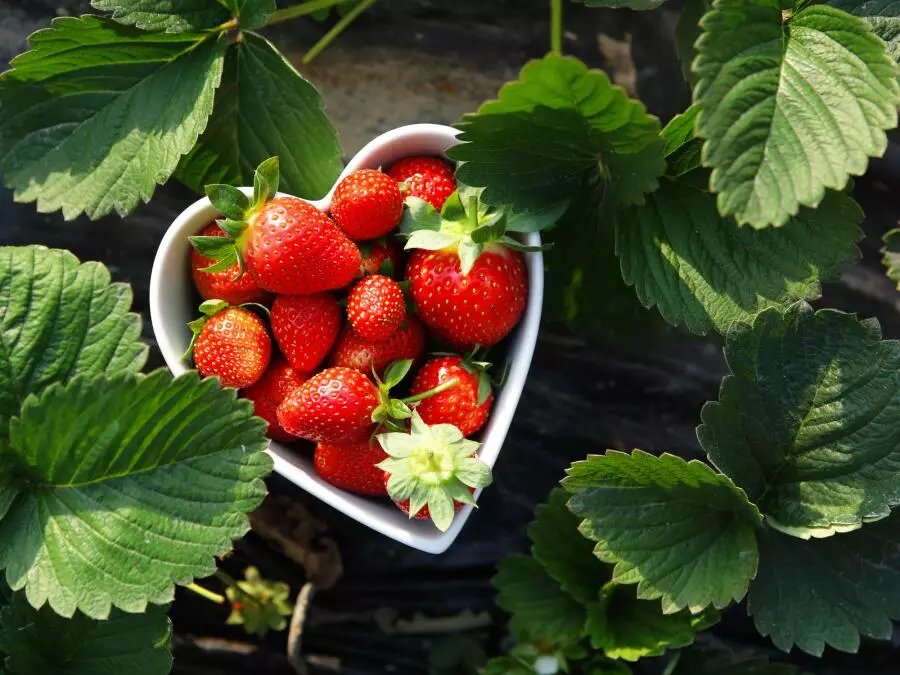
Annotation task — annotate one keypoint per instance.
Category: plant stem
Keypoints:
(303, 9)
(556, 27)
(443, 386)
(226, 578)
(339, 27)
(203, 592)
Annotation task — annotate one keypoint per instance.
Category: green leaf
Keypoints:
(715, 661)
(704, 272)
(40, 642)
(891, 254)
(683, 533)
(557, 128)
(264, 107)
(252, 13)
(59, 319)
(687, 30)
(627, 628)
(682, 147)
(883, 17)
(827, 591)
(535, 221)
(166, 16)
(125, 486)
(98, 114)
(806, 423)
(567, 556)
(788, 107)
(265, 180)
(540, 609)
(507, 665)
(228, 200)
(420, 215)
(628, 4)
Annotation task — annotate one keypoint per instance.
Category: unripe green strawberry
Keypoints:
(367, 204)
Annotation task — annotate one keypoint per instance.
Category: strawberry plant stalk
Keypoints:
(336, 30)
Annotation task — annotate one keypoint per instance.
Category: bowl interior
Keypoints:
(173, 303)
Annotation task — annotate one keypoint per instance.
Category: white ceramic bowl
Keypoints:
(173, 303)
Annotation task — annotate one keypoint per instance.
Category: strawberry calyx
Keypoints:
(433, 466)
(392, 413)
(208, 309)
(238, 210)
(468, 226)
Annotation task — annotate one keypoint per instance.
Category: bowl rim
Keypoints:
(390, 146)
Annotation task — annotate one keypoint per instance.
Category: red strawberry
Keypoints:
(286, 244)
(305, 328)
(466, 405)
(352, 351)
(427, 178)
(367, 204)
(432, 470)
(352, 466)
(228, 284)
(376, 253)
(334, 406)
(465, 310)
(376, 308)
(231, 344)
(279, 381)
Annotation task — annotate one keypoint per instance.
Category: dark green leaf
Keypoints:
(625, 627)
(827, 591)
(166, 16)
(557, 128)
(98, 114)
(883, 17)
(535, 221)
(507, 665)
(687, 30)
(891, 255)
(655, 516)
(682, 147)
(420, 215)
(714, 661)
(806, 423)
(789, 107)
(704, 272)
(126, 486)
(567, 556)
(540, 609)
(252, 13)
(213, 247)
(396, 372)
(265, 180)
(264, 107)
(492, 230)
(228, 200)
(40, 642)
(59, 319)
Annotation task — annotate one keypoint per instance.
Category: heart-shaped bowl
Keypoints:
(173, 302)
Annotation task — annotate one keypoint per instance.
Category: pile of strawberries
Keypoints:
(318, 318)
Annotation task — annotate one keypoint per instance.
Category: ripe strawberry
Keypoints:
(286, 244)
(352, 466)
(367, 204)
(427, 178)
(334, 406)
(231, 344)
(228, 284)
(305, 328)
(466, 405)
(278, 382)
(433, 468)
(465, 310)
(352, 351)
(376, 307)
(376, 253)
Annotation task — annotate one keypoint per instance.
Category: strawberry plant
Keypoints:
(116, 486)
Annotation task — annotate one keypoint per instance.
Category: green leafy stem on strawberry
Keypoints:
(391, 413)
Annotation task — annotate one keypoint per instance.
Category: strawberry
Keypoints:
(230, 343)
(468, 309)
(334, 406)
(285, 243)
(381, 256)
(352, 466)
(427, 178)
(423, 513)
(279, 381)
(376, 307)
(305, 328)
(341, 405)
(465, 406)
(367, 204)
(352, 351)
(432, 467)
(225, 284)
